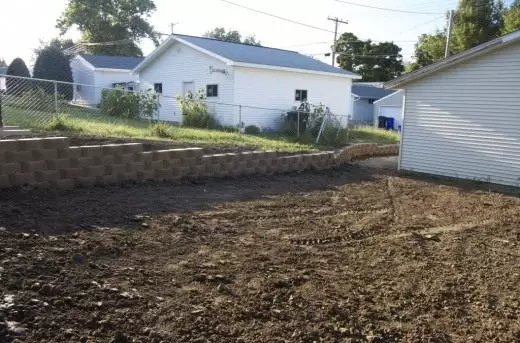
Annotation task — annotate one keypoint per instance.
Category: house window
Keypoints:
(157, 87)
(301, 95)
(211, 91)
(130, 88)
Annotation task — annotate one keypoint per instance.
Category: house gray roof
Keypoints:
(3, 70)
(251, 54)
(367, 91)
(112, 62)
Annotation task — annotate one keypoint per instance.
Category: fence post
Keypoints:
(239, 119)
(298, 124)
(55, 97)
(1, 119)
(321, 128)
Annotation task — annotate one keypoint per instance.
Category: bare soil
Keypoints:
(357, 254)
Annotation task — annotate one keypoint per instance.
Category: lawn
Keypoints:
(86, 121)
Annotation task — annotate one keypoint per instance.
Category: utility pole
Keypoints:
(337, 21)
(448, 36)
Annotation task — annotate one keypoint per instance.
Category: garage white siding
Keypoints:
(276, 89)
(181, 63)
(464, 121)
(84, 93)
(392, 103)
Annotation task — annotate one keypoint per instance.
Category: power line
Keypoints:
(385, 8)
(277, 17)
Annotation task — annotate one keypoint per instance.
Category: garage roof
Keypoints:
(372, 92)
(112, 62)
(250, 55)
(455, 59)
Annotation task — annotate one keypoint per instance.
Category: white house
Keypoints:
(92, 73)
(243, 83)
(391, 106)
(364, 95)
(462, 114)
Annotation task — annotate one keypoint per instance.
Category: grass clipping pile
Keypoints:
(389, 259)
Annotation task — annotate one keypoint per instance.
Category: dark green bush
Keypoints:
(252, 130)
(195, 111)
(131, 105)
(15, 86)
(52, 64)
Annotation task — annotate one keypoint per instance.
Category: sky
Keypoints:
(18, 37)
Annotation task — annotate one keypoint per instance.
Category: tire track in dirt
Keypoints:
(426, 234)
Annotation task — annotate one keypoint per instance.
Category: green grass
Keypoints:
(88, 122)
(372, 135)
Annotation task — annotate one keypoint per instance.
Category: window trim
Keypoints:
(298, 95)
(216, 88)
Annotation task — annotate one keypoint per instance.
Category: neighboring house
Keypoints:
(363, 97)
(462, 114)
(246, 83)
(92, 73)
(391, 106)
(3, 71)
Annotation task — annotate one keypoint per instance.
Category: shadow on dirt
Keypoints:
(60, 211)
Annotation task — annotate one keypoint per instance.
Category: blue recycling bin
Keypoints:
(390, 123)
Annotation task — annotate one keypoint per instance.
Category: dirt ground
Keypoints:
(149, 145)
(357, 254)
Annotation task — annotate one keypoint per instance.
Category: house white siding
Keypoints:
(83, 76)
(106, 79)
(395, 101)
(179, 64)
(464, 121)
(363, 111)
(274, 92)
(92, 81)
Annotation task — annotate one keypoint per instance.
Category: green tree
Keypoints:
(15, 85)
(429, 49)
(511, 18)
(116, 26)
(476, 22)
(232, 36)
(374, 62)
(52, 64)
(57, 43)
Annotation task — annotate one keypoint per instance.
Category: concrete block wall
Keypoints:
(52, 163)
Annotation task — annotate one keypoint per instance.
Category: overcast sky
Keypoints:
(20, 34)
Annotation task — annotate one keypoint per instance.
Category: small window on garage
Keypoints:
(301, 95)
(157, 87)
(211, 91)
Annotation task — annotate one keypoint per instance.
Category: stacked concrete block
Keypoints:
(50, 162)
(24, 161)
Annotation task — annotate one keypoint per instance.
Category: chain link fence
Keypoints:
(35, 103)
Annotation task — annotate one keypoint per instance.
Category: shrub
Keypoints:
(161, 130)
(131, 105)
(195, 111)
(60, 122)
(252, 130)
(310, 120)
(17, 86)
(52, 64)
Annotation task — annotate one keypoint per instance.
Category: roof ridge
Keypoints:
(251, 45)
(115, 56)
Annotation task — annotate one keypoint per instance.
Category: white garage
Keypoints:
(391, 106)
(462, 114)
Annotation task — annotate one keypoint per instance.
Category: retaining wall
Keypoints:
(51, 162)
